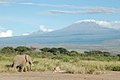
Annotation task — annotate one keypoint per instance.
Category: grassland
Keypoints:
(75, 64)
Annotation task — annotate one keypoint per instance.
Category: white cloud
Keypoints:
(109, 24)
(77, 8)
(25, 34)
(44, 29)
(85, 11)
(45, 4)
(64, 12)
(116, 24)
(50, 30)
(26, 3)
(8, 33)
(4, 1)
(106, 24)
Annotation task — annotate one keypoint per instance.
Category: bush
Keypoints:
(7, 50)
(66, 59)
(113, 67)
(22, 49)
(97, 53)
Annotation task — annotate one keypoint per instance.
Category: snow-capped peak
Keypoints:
(106, 24)
(85, 21)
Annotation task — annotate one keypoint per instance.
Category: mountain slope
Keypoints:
(86, 32)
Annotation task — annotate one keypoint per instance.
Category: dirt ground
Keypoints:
(58, 76)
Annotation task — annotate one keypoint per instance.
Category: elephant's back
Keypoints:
(19, 59)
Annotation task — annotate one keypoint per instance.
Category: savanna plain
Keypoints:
(90, 65)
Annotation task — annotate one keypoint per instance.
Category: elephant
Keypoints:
(23, 62)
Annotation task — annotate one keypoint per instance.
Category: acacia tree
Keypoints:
(53, 50)
(22, 49)
(45, 49)
(97, 53)
(106, 54)
(7, 50)
(73, 53)
(63, 50)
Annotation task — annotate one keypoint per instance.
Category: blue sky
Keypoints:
(19, 17)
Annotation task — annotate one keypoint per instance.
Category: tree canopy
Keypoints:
(7, 50)
(22, 49)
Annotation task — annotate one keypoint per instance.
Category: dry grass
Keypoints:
(82, 67)
(71, 66)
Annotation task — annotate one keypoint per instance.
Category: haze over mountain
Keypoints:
(80, 32)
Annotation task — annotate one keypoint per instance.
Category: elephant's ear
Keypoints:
(26, 58)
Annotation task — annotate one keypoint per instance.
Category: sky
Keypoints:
(23, 17)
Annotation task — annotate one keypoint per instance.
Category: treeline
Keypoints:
(23, 49)
(97, 53)
(60, 50)
(60, 53)
(19, 49)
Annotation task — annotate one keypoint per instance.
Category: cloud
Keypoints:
(116, 24)
(109, 9)
(25, 34)
(76, 8)
(26, 3)
(8, 33)
(94, 11)
(80, 9)
(112, 24)
(45, 4)
(44, 29)
(4, 1)
(106, 24)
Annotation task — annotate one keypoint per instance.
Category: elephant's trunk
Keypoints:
(30, 63)
(12, 65)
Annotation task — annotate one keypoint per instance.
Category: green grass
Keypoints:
(82, 67)
(71, 64)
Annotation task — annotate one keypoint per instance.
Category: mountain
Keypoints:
(82, 32)
(39, 32)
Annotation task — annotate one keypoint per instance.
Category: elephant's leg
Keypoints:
(26, 68)
(14, 67)
(19, 68)
(23, 68)
(30, 68)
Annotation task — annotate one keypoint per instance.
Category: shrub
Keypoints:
(7, 50)
(22, 49)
